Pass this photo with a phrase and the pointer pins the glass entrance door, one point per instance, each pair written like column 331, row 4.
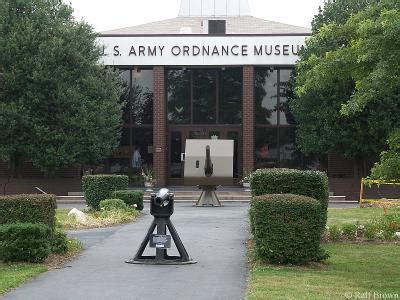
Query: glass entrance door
column 177, row 140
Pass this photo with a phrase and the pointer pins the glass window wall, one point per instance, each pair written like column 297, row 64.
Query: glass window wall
column 142, row 92
column 285, row 92
column 137, row 127
column 266, row 96
column 204, row 96
column 179, row 96
column 230, row 96
column 275, row 140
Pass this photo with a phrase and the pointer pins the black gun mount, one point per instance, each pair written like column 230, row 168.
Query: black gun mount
column 162, row 203
column 162, row 207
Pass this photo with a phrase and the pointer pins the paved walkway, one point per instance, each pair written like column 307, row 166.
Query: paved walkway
column 215, row 237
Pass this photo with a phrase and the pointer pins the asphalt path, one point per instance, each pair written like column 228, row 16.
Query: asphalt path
column 214, row 237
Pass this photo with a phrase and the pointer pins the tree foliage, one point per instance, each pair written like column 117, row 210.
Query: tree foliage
column 350, row 63
column 58, row 105
column 388, row 169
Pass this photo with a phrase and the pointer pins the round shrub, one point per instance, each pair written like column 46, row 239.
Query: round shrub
column 110, row 204
column 59, row 243
column 28, row 208
column 312, row 184
column 25, row 242
column 130, row 197
column 100, row 187
column 286, row 228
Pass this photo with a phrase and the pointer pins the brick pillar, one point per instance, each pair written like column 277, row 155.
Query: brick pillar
column 160, row 131
column 248, row 119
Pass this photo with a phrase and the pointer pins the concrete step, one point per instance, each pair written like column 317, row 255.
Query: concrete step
column 188, row 196
column 337, row 198
column 70, row 199
column 75, row 193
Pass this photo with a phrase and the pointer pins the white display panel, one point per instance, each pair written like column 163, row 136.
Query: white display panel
column 197, row 50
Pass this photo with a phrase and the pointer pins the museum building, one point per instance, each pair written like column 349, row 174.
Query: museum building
column 214, row 71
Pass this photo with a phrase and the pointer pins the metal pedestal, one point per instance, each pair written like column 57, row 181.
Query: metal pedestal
column 162, row 257
column 208, row 196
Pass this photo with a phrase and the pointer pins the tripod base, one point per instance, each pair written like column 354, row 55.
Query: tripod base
column 162, row 257
column 170, row 260
column 208, row 196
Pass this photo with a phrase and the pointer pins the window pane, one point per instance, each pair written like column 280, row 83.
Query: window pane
column 142, row 140
column 265, row 95
column 178, row 89
column 119, row 161
column 286, row 116
column 142, row 96
column 204, row 96
column 234, row 135
column 289, row 156
column 266, row 147
column 230, row 96
column 125, row 75
column 176, row 150
column 196, row 135
column 124, row 137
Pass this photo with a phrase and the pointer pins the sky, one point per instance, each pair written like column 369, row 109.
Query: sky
column 106, row 15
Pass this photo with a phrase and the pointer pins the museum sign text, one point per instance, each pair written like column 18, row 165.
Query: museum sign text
column 201, row 50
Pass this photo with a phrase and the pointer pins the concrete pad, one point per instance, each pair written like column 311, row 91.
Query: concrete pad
column 215, row 237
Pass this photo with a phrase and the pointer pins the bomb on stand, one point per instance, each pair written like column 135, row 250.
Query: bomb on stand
column 208, row 164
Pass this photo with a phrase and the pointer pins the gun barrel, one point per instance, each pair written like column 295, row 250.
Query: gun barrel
column 208, row 166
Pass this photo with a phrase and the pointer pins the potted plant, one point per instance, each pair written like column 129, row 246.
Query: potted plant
column 148, row 175
column 246, row 181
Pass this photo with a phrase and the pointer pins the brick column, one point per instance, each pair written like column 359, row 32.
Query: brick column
column 160, row 131
column 248, row 119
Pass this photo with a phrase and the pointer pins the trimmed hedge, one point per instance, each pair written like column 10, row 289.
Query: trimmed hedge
column 100, row 187
column 25, row 242
column 130, row 197
column 312, row 184
column 110, row 204
column 59, row 242
column 28, row 209
column 286, row 228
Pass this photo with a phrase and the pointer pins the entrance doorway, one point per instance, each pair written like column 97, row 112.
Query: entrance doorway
column 177, row 141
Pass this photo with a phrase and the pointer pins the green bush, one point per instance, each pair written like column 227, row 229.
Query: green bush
column 312, row 184
column 349, row 231
column 28, row 209
column 25, row 242
column 100, row 187
column 371, row 230
column 382, row 228
column 110, row 204
column 130, row 197
column 286, row 228
column 59, row 242
column 334, row 233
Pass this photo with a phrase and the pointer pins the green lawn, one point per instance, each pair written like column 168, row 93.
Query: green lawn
column 352, row 268
column 352, row 215
column 12, row 275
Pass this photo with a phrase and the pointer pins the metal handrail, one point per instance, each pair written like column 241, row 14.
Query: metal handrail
column 40, row 190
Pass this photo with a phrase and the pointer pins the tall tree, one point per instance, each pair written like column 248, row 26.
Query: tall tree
column 58, row 104
column 388, row 168
column 329, row 71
